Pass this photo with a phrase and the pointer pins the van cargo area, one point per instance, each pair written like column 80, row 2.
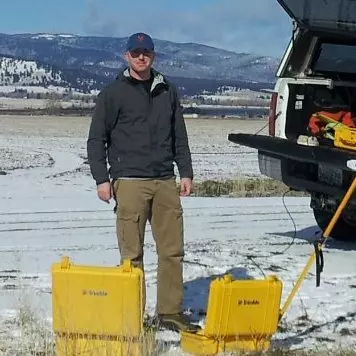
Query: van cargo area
column 307, row 99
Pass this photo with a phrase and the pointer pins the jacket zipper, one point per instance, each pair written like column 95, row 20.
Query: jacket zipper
column 151, row 124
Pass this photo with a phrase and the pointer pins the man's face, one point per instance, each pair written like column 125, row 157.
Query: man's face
column 140, row 60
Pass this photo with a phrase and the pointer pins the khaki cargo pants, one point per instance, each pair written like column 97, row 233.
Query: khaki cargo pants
column 158, row 202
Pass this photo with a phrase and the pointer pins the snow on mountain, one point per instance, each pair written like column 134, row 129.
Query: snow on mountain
column 24, row 72
column 51, row 36
column 88, row 63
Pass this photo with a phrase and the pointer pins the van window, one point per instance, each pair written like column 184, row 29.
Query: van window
column 334, row 57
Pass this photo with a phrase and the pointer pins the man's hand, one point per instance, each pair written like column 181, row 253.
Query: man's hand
column 185, row 187
column 104, row 191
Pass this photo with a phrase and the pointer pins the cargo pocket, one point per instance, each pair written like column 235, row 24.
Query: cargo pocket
column 129, row 234
column 176, row 248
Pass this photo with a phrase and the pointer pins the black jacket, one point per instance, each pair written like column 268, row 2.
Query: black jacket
column 139, row 134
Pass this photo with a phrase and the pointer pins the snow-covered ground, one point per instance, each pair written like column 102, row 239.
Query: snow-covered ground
column 49, row 209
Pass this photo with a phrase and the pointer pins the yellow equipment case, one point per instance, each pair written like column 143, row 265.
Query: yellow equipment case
column 345, row 137
column 244, row 315
column 241, row 315
column 97, row 310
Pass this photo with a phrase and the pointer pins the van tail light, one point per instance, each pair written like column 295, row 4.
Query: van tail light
column 272, row 114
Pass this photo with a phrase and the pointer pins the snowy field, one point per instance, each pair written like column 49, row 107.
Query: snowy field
column 49, row 208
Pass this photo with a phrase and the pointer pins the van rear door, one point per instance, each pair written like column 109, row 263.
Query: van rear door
column 338, row 16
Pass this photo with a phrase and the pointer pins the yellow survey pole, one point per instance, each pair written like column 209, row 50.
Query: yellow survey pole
column 326, row 234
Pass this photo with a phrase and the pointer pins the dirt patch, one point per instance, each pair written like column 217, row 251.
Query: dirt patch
column 71, row 126
column 44, row 126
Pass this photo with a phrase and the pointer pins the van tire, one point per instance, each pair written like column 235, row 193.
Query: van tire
column 342, row 230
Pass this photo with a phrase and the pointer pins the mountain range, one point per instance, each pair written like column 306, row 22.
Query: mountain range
column 88, row 63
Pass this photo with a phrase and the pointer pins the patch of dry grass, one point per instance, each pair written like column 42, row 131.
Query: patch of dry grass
column 243, row 187
column 27, row 335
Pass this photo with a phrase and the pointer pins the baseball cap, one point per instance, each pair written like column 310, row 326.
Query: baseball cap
column 139, row 40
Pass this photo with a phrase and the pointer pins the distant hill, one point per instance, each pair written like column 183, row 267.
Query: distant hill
column 88, row 63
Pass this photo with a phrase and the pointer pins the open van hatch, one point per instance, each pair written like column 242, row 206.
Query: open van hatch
column 323, row 15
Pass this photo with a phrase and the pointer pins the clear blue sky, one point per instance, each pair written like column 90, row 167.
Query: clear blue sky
column 258, row 26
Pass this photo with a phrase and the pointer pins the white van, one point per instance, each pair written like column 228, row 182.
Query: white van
column 317, row 73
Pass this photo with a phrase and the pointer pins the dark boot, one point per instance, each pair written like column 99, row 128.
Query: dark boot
column 177, row 322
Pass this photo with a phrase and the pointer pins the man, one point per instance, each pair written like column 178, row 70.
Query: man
column 138, row 127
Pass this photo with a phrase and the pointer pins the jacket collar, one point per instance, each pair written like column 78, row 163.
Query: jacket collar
column 158, row 78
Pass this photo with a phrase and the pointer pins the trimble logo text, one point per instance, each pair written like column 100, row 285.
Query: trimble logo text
column 94, row 293
column 242, row 302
